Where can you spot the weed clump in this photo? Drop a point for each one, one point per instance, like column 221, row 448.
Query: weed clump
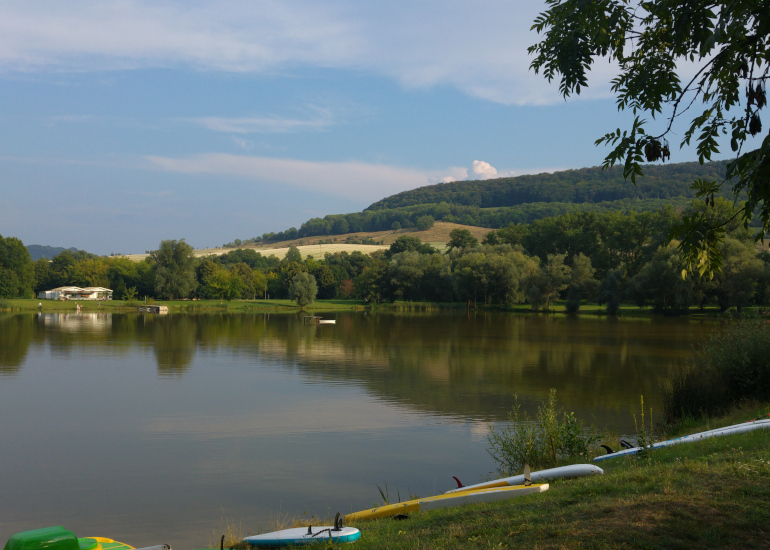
column 553, row 438
column 730, row 367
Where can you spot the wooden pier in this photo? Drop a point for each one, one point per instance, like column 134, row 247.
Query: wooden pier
column 153, row 309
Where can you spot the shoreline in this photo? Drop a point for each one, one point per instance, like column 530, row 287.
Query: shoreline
column 31, row 305
column 711, row 493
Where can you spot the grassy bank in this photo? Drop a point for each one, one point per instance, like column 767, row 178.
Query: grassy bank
column 709, row 494
column 178, row 306
column 242, row 306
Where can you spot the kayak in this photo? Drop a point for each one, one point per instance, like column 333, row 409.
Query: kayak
column 562, row 472
column 58, row 538
column 304, row 535
column 448, row 500
column 727, row 430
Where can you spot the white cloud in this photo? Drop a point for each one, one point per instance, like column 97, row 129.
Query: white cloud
column 351, row 179
column 455, row 173
column 483, row 170
column 266, row 124
column 478, row 47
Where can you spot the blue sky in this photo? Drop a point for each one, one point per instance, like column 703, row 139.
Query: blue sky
column 128, row 122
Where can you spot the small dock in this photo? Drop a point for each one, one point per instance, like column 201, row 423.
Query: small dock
column 316, row 320
column 153, row 309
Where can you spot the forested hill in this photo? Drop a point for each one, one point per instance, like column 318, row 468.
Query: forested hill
column 37, row 251
column 586, row 185
column 523, row 199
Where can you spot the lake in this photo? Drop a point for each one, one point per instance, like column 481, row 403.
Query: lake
column 164, row 429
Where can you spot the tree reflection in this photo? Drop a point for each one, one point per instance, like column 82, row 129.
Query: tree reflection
column 451, row 364
column 16, row 333
column 173, row 338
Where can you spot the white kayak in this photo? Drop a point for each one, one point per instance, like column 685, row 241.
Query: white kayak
column 562, row 472
column 727, row 430
column 447, row 500
column 304, row 535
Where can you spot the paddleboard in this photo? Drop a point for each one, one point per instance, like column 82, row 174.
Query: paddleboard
column 59, row 538
column 448, row 500
column 727, row 430
column 304, row 535
column 562, row 472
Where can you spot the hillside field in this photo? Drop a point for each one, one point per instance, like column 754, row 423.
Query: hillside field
column 437, row 236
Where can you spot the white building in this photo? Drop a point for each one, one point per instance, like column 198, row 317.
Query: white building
column 76, row 293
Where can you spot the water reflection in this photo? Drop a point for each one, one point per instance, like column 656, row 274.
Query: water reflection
column 77, row 322
column 174, row 342
column 147, row 428
column 464, row 365
column 16, row 334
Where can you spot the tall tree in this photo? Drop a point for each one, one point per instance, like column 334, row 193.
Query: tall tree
column 741, row 270
column 461, row 238
column 581, row 283
column 293, row 255
column 544, row 285
column 17, row 273
column 174, row 269
column 303, row 289
column 659, row 282
column 657, row 46
column 609, row 291
column 63, row 269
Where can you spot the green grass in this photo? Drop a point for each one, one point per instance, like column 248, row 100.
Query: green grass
column 711, row 494
column 31, row 304
column 180, row 306
column 708, row 494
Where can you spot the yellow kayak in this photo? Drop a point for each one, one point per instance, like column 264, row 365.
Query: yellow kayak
column 102, row 543
column 489, row 494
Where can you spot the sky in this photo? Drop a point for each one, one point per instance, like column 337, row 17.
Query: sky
column 126, row 122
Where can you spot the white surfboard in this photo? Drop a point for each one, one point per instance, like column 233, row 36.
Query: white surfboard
column 727, row 430
column 562, row 472
column 304, row 535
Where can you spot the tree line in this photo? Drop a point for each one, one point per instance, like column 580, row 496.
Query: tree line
column 604, row 257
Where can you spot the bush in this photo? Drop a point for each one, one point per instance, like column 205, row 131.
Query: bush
column 553, row 438
column 732, row 366
column 425, row 222
column 572, row 305
column 303, row 289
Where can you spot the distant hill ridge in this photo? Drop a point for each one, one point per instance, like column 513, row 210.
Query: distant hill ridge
column 499, row 202
column 585, row 185
column 37, row 251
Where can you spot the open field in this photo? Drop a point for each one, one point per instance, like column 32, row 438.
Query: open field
column 437, row 236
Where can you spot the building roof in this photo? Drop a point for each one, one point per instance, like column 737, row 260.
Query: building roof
column 78, row 289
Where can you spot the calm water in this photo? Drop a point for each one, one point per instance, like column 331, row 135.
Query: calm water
column 160, row 429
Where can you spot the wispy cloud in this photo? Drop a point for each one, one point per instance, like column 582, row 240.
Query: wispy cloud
column 477, row 47
column 266, row 124
column 350, row 179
